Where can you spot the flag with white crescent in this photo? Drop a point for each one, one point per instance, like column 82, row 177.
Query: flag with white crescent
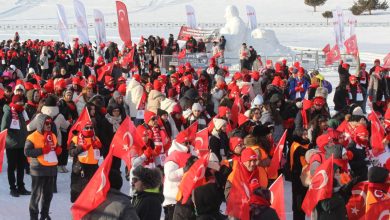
column 276, row 159
column 123, row 23
column 76, row 127
column 3, row 136
column 201, row 142
column 277, row 197
column 321, row 186
column 105, row 70
column 356, row 206
column 379, row 211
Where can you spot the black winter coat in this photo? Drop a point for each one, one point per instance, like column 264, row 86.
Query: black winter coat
column 148, row 205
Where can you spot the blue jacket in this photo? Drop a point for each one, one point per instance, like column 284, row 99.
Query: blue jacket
column 294, row 83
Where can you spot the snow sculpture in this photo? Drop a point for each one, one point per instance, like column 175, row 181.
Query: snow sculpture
column 236, row 32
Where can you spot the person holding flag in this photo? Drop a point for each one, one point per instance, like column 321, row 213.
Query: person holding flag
column 42, row 149
column 85, row 150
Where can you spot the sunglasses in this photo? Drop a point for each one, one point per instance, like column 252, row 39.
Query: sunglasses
column 88, row 128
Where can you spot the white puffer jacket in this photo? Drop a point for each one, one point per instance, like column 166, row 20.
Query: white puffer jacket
column 134, row 92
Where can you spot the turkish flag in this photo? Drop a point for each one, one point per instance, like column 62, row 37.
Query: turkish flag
column 237, row 108
column 386, row 61
column 217, row 55
column 77, row 127
column 356, row 206
column 95, row 192
column 321, row 186
column 123, row 23
column 275, row 161
column 377, row 134
column 326, row 49
column 105, row 70
column 128, row 59
column 376, row 192
column 191, row 130
column 379, row 211
column 3, row 136
column 351, row 45
column 333, row 55
column 201, row 142
column 277, row 197
column 193, row 178
column 127, row 143
column 182, row 54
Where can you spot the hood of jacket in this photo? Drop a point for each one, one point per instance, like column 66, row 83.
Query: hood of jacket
column 51, row 111
column 40, row 122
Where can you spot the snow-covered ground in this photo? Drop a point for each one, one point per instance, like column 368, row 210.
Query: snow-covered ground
column 373, row 43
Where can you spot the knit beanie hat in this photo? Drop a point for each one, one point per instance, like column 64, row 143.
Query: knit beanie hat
column 377, row 174
column 197, row 107
column 50, row 101
column 219, row 123
column 248, row 154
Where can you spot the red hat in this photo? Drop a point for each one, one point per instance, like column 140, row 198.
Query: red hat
column 102, row 45
column 278, row 67
column 60, row 84
column 321, row 141
column 88, row 61
column 237, row 76
column 248, row 154
column 163, row 78
column 28, row 86
column 268, row 63
column 76, row 81
column 387, row 164
column 107, row 79
column 177, row 109
column 92, row 77
column 157, row 85
column 352, row 77
column 122, row 89
column 297, row 65
column 242, row 119
column 121, row 79
column 114, row 59
column 345, row 65
column 188, row 65
column 234, row 141
column 221, row 85
column 186, row 77
column 320, row 101
column 284, row 61
column 276, row 81
column 100, row 60
column 137, row 77
column 148, row 115
column 255, row 75
column 363, row 65
column 49, row 86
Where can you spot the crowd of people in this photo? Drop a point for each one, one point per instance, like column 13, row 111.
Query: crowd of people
column 46, row 86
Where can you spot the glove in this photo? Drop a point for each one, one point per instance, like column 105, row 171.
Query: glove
column 148, row 152
column 58, row 150
column 157, row 150
column 46, row 150
column 297, row 89
column 96, row 144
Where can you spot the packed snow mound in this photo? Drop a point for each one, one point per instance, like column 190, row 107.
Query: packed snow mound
column 236, row 32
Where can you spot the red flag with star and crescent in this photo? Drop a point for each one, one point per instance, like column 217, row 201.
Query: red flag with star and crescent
column 83, row 118
column 275, row 162
column 277, row 197
column 326, row 49
column 376, row 192
column 95, row 192
column 351, row 46
column 129, row 58
column 3, row 136
column 333, row 55
column 105, row 70
column 127, row 143
column 356, row 206
column 321, row 186
column 181, row 54
column 377, row 134
column 379, row 211
column 237, row 108
column 201, row 142
column 193, row 178
column 123, row 23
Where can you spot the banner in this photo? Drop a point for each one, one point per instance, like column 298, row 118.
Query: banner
column 123, row 23
column 352, row 22
column 81, row 21
column 100, row 27
column 191, row 20
column 338, row 25
column 205, row 34
column 63, row 25
column 251, row 13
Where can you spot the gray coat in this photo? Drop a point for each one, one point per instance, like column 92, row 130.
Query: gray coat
column 374, row 85
column 15, row 137
column 117, row 206
column 36, row 169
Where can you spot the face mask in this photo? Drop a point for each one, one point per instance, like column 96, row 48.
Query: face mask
column 87, row 133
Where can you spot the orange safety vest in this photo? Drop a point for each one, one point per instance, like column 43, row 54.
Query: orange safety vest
column 91, row 156
column 263, row 176
column 294, row 146
column 38, row 140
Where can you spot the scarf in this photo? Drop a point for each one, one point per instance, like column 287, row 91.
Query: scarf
column 71, row 106
column 202, row 87
column 157, row 139
column 15, row 110
column 115, row 121
column 49, row 142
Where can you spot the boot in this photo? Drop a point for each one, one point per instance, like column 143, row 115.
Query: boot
column 45, row 217
column 14, row 193
column 23, row 191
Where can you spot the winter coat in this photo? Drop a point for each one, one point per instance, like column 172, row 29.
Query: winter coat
column 154, row 100
column 340, row 98
column 343, row 76
column 15, row 137
column 295, row 83
column 359, row 162
column 167, row 105
column 80, row 104
column 134, row 92
column 61, row 123
column 148, row 205
column 45, row 61
column 217, row 95
column 116, row 206
column 262, row 212
column 244, row 53
column 31, row 109
column 36, row 169
column 219, row 144
column 378, row 88
column 207, row 200
column 332, row 208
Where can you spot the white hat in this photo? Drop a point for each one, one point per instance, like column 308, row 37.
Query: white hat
column 258, row 100
column 197, row 107
column 19, row 86
column 358, row 111
column 31, row 70
column 218, row 123
column 213, row 162
column 13, row 67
